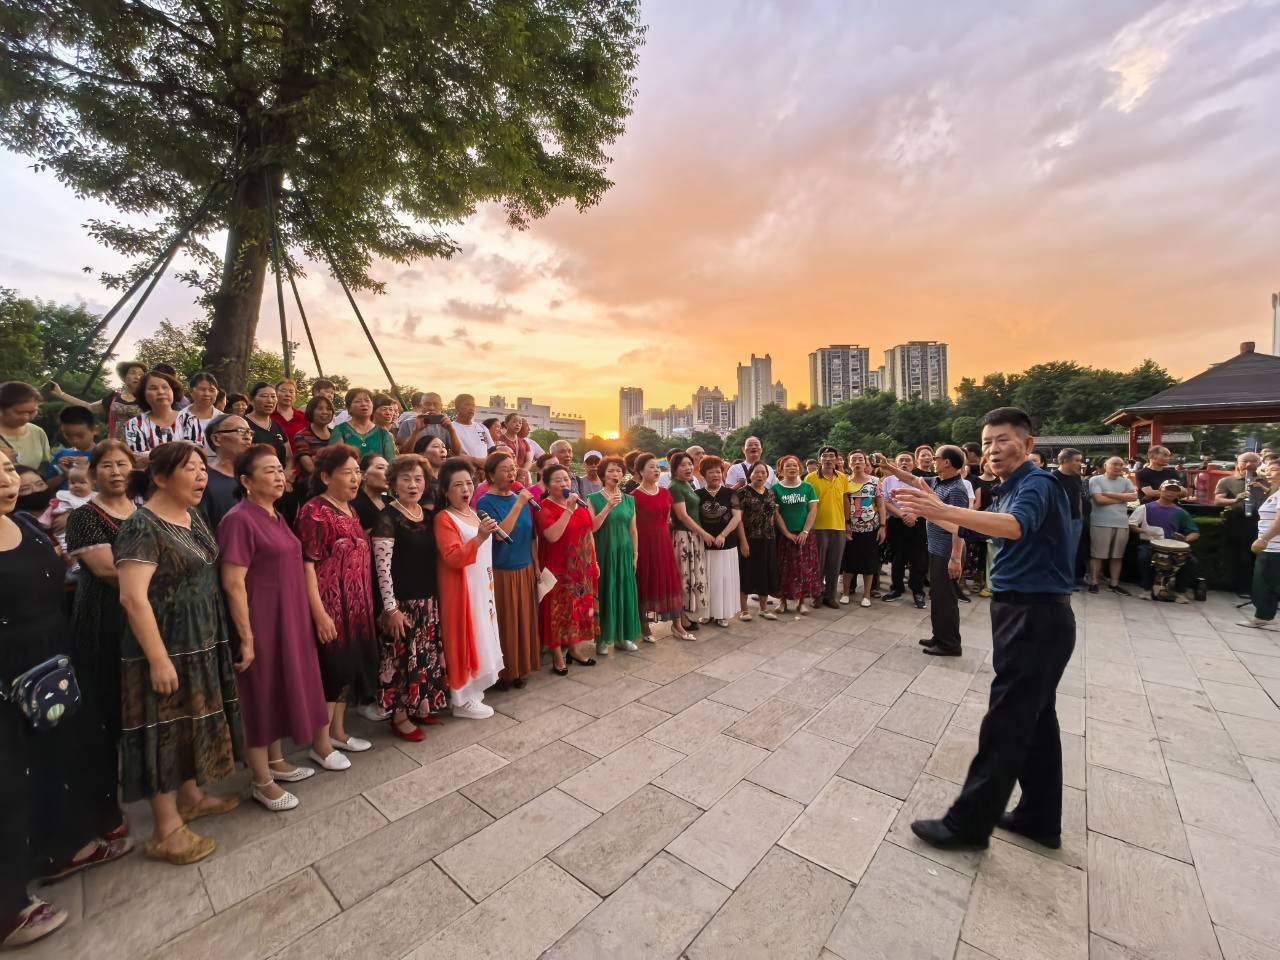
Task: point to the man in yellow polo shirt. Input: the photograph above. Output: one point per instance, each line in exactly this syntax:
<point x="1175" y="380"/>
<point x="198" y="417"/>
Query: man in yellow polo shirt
<point x="832" y="486"/>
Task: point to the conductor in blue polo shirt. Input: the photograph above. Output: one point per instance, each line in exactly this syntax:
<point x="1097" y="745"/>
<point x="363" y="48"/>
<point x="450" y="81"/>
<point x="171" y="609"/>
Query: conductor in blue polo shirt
<point x="1033" y="632"/>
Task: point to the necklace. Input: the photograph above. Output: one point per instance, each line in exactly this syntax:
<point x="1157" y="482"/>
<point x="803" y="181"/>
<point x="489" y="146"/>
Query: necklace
<point x="405" y="510"/>
<point x="102" y="505"/>
<point x="343" y="508"/>
<point x="468" y="514"/>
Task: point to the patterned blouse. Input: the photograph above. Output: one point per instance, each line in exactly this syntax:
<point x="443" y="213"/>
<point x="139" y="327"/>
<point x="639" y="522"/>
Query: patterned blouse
<point x="863" y="517"/>
<point x="758" y="510"/>
<point x="142" y="434"/>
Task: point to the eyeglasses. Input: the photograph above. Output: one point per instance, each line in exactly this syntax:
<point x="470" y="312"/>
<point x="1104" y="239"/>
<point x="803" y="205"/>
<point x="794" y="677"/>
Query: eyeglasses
<point x="243" y="431"/>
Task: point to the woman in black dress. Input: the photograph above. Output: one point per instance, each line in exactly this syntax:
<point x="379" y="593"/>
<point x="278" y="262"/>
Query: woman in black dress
<point x="96" y="619"/>
<point x="262" y="396"/>
<point x="373" y="497"/>
<point x="757" y="536"/>
<point x="59" y="806"/>
<point x="411" y="677"/>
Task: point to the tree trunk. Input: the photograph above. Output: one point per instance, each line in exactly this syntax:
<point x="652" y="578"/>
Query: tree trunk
<point x="244" y="271"/>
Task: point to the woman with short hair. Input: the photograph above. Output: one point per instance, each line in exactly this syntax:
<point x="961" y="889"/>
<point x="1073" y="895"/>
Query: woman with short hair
<point x="360" y="431"/>
<point x="613" y="518"/>
<point x="799" y="575"/>
<point x="288" y="417"/>
<point x="160" y="420"/>
<point x="202" y="388"/>
<point x="180" y="712"/>
<point x="228" y="437"/>
<point x="373" y="496"/>
<point x="237" y="403"/>
<point x="266" y="430"/>
<point x="411" y="673"/>
<point x="658" y="590"/>
<point x="312" y="437"/>
<point x="757" y="534"/>
<point x="569" y="612"/>
<point x="468" y="611"/>
<point x="27" y="442"/>
<point x="97" y="620"/>
<point x="339" y="567"/>
<point x="719" y="515"/>
<point x="434" y="453"/>
<point x="689" y="540"/>
<point x="281" y="694"/>
<point x="866" y="528"/>
<point x="515" y="586"/>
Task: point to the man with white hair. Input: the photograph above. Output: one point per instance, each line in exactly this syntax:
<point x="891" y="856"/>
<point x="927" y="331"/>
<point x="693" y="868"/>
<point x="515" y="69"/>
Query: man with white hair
<point x="752" y="451"/>
<point x="1110" y="492"/>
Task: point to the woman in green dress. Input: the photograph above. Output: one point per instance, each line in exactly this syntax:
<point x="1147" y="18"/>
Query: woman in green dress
<point x="613" y="517"/>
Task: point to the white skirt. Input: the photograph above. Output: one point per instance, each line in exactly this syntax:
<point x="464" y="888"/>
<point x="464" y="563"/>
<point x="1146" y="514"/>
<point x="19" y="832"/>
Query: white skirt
<point x="723" y="592"/>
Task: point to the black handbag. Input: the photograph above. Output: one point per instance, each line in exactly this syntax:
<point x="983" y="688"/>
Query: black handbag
<point x="46" y="694"/>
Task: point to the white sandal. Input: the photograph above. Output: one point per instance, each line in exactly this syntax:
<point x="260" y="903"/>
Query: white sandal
<point x="286" y="800"/>
<point x="293" y="776"/>
<point x="334" y="762"/>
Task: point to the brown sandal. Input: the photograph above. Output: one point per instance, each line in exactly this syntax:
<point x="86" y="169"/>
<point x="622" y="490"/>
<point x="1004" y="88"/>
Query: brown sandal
<point x="213" y="805"/>
<point x="197" y="848"/>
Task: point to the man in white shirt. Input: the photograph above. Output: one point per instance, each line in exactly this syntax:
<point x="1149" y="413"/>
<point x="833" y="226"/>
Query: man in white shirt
<point x="472" y="439"/>
<point x="752" y="451"/>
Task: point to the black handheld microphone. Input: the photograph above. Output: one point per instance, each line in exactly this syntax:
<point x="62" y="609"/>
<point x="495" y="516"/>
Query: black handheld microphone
<point x="499" y="533"/>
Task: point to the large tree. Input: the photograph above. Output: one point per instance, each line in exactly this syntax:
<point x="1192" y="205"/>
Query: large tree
<point x="372" y="124"/>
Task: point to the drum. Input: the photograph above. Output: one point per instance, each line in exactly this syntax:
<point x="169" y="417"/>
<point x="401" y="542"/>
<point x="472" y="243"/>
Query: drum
<point x="1167" y="558"/>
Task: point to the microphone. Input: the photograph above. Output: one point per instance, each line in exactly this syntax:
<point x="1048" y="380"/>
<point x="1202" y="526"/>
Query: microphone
<point x="499" y="533"/>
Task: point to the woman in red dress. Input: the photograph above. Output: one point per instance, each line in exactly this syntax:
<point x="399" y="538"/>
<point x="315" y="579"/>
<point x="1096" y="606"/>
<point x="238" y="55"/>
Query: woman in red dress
<point x="339" y="570"/>
<point x="657" y="574"/>
<point x="569" y="614"/>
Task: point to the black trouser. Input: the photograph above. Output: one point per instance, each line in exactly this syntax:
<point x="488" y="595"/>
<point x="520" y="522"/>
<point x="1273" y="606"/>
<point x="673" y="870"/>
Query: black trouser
<point x="944" y="607"/>
<point x="908" y="546"/>
<point x="1019" y="740"/>
<point x="1238" y="534"/>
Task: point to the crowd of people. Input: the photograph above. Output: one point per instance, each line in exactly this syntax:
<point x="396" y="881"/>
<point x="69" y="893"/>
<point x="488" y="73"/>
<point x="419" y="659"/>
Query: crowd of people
<point x="229" y="573"/>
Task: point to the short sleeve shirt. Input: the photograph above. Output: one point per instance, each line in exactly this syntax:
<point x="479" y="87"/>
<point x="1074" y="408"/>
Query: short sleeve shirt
<point x="831" y="504"/>
<point x="738" y="474"/>
<point x="1112" y="515"/>
<point x="793" y="503"/>
<point x="1148" y="477"/>
<point x="715" y="512"/>
<point x="473" y="438"/>
<point x="863" y="517"/>
<point x="952" y="493"/>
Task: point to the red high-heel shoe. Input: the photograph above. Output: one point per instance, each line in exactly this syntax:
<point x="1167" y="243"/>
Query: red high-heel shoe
<point x="413" y="736"/>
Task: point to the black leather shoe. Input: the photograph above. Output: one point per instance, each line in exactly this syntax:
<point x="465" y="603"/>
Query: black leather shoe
<point x="919" y="599"/>
<point x="1051" y="840"/>
<point x="937" y="834"/>
<point x="831" y="603"/>
<point x="925" y="641"/>
<point x="891" y="596"/>
<point x="934" y="650"/>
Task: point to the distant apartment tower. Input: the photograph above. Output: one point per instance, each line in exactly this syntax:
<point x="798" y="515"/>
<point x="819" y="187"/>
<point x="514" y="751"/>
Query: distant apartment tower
<point x="755" y="387"/>
<point x="875" y="379"/>
<point x="630" y="407"/>
<point x="780" y="395"/>
<point x="916" y="369"/>
<point x="711" y="411"/>
<point x="838" y="373"/>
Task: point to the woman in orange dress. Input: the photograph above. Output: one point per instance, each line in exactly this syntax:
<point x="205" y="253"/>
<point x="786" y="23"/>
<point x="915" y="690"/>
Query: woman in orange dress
<point x="468" y="614"/>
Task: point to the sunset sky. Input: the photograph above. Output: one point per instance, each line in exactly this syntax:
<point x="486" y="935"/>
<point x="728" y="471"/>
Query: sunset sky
<point x="1026" y="180"/>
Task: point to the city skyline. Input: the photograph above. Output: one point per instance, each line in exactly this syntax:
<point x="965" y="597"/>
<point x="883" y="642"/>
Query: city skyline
<point x="800" y="175"/>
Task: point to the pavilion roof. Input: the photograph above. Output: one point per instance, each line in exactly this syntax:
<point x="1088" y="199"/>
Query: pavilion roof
<point x="1244" y="389"/>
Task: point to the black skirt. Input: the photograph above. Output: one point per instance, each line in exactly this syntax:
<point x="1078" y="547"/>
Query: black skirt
<point x="758" y="573"/>
<point x="862" y="554"/>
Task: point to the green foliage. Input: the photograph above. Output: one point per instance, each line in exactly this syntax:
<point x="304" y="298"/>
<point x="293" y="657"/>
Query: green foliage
<point x="1220" y="440"/>
<point x="843" y="435"/>
<point x="375" y="124"/>
<point x="544" y="438"/>
<point x="965" y="430"/>
<point x="708" y="441"/>
<point x="643" y="438"/>
<point x="37" y="337"/>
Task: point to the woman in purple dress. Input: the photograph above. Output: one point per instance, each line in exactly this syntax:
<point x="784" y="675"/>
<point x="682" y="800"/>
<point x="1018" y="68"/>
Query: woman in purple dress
<point x="279" y="674"/>
<point x="339" y="569"/>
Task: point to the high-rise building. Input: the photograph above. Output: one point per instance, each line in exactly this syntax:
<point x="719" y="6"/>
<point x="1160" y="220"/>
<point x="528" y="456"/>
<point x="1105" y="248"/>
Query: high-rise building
<point x="780" y="395"/>
<point x="755" y="387"/>
<point x="711" y="411"/>
<point x="916" y="369"/>
<point x="875" y="378"/>
<point x="630" y="407"/>
<point x="838" y="373"/>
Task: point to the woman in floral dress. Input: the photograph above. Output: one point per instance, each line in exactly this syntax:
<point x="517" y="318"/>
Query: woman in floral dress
<point x="865" y="528"/>
<point x="690" y="542"/>
<point x="570" y="613"/>
<point x="757" y="555"/>
<point x="339" y="570"/>
<point x="411" y="677"/>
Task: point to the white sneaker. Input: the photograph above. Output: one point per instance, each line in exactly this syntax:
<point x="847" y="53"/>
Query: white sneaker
<point x="373" y="713"/>
<point x="351" y="744"/>
<point x="286" y="800"/>
<point x="472" y="710"/>
<point x="334" y="762"/>
<point x="629" y="646"/>
<point x="844" y="598"/>
<point x="602" y="650"/>
<point x="865" y="602"/>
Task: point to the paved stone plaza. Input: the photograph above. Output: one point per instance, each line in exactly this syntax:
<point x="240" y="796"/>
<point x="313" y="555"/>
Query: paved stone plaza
<point x="749" y="795"/>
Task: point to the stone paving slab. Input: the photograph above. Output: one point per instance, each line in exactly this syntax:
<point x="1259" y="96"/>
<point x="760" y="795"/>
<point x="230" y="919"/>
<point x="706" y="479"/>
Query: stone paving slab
<point x="750" y="794"/>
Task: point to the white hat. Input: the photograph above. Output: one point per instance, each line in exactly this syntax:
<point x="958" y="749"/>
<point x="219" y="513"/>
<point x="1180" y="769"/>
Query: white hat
<point x="592" y="453"/>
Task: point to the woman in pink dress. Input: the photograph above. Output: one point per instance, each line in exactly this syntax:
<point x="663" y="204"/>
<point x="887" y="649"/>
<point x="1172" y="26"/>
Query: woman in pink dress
<point x="278" y="673"/>
<point x="570" y="613"/>
<point x="657" y="574"/>
<point x="339" y="570"/>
